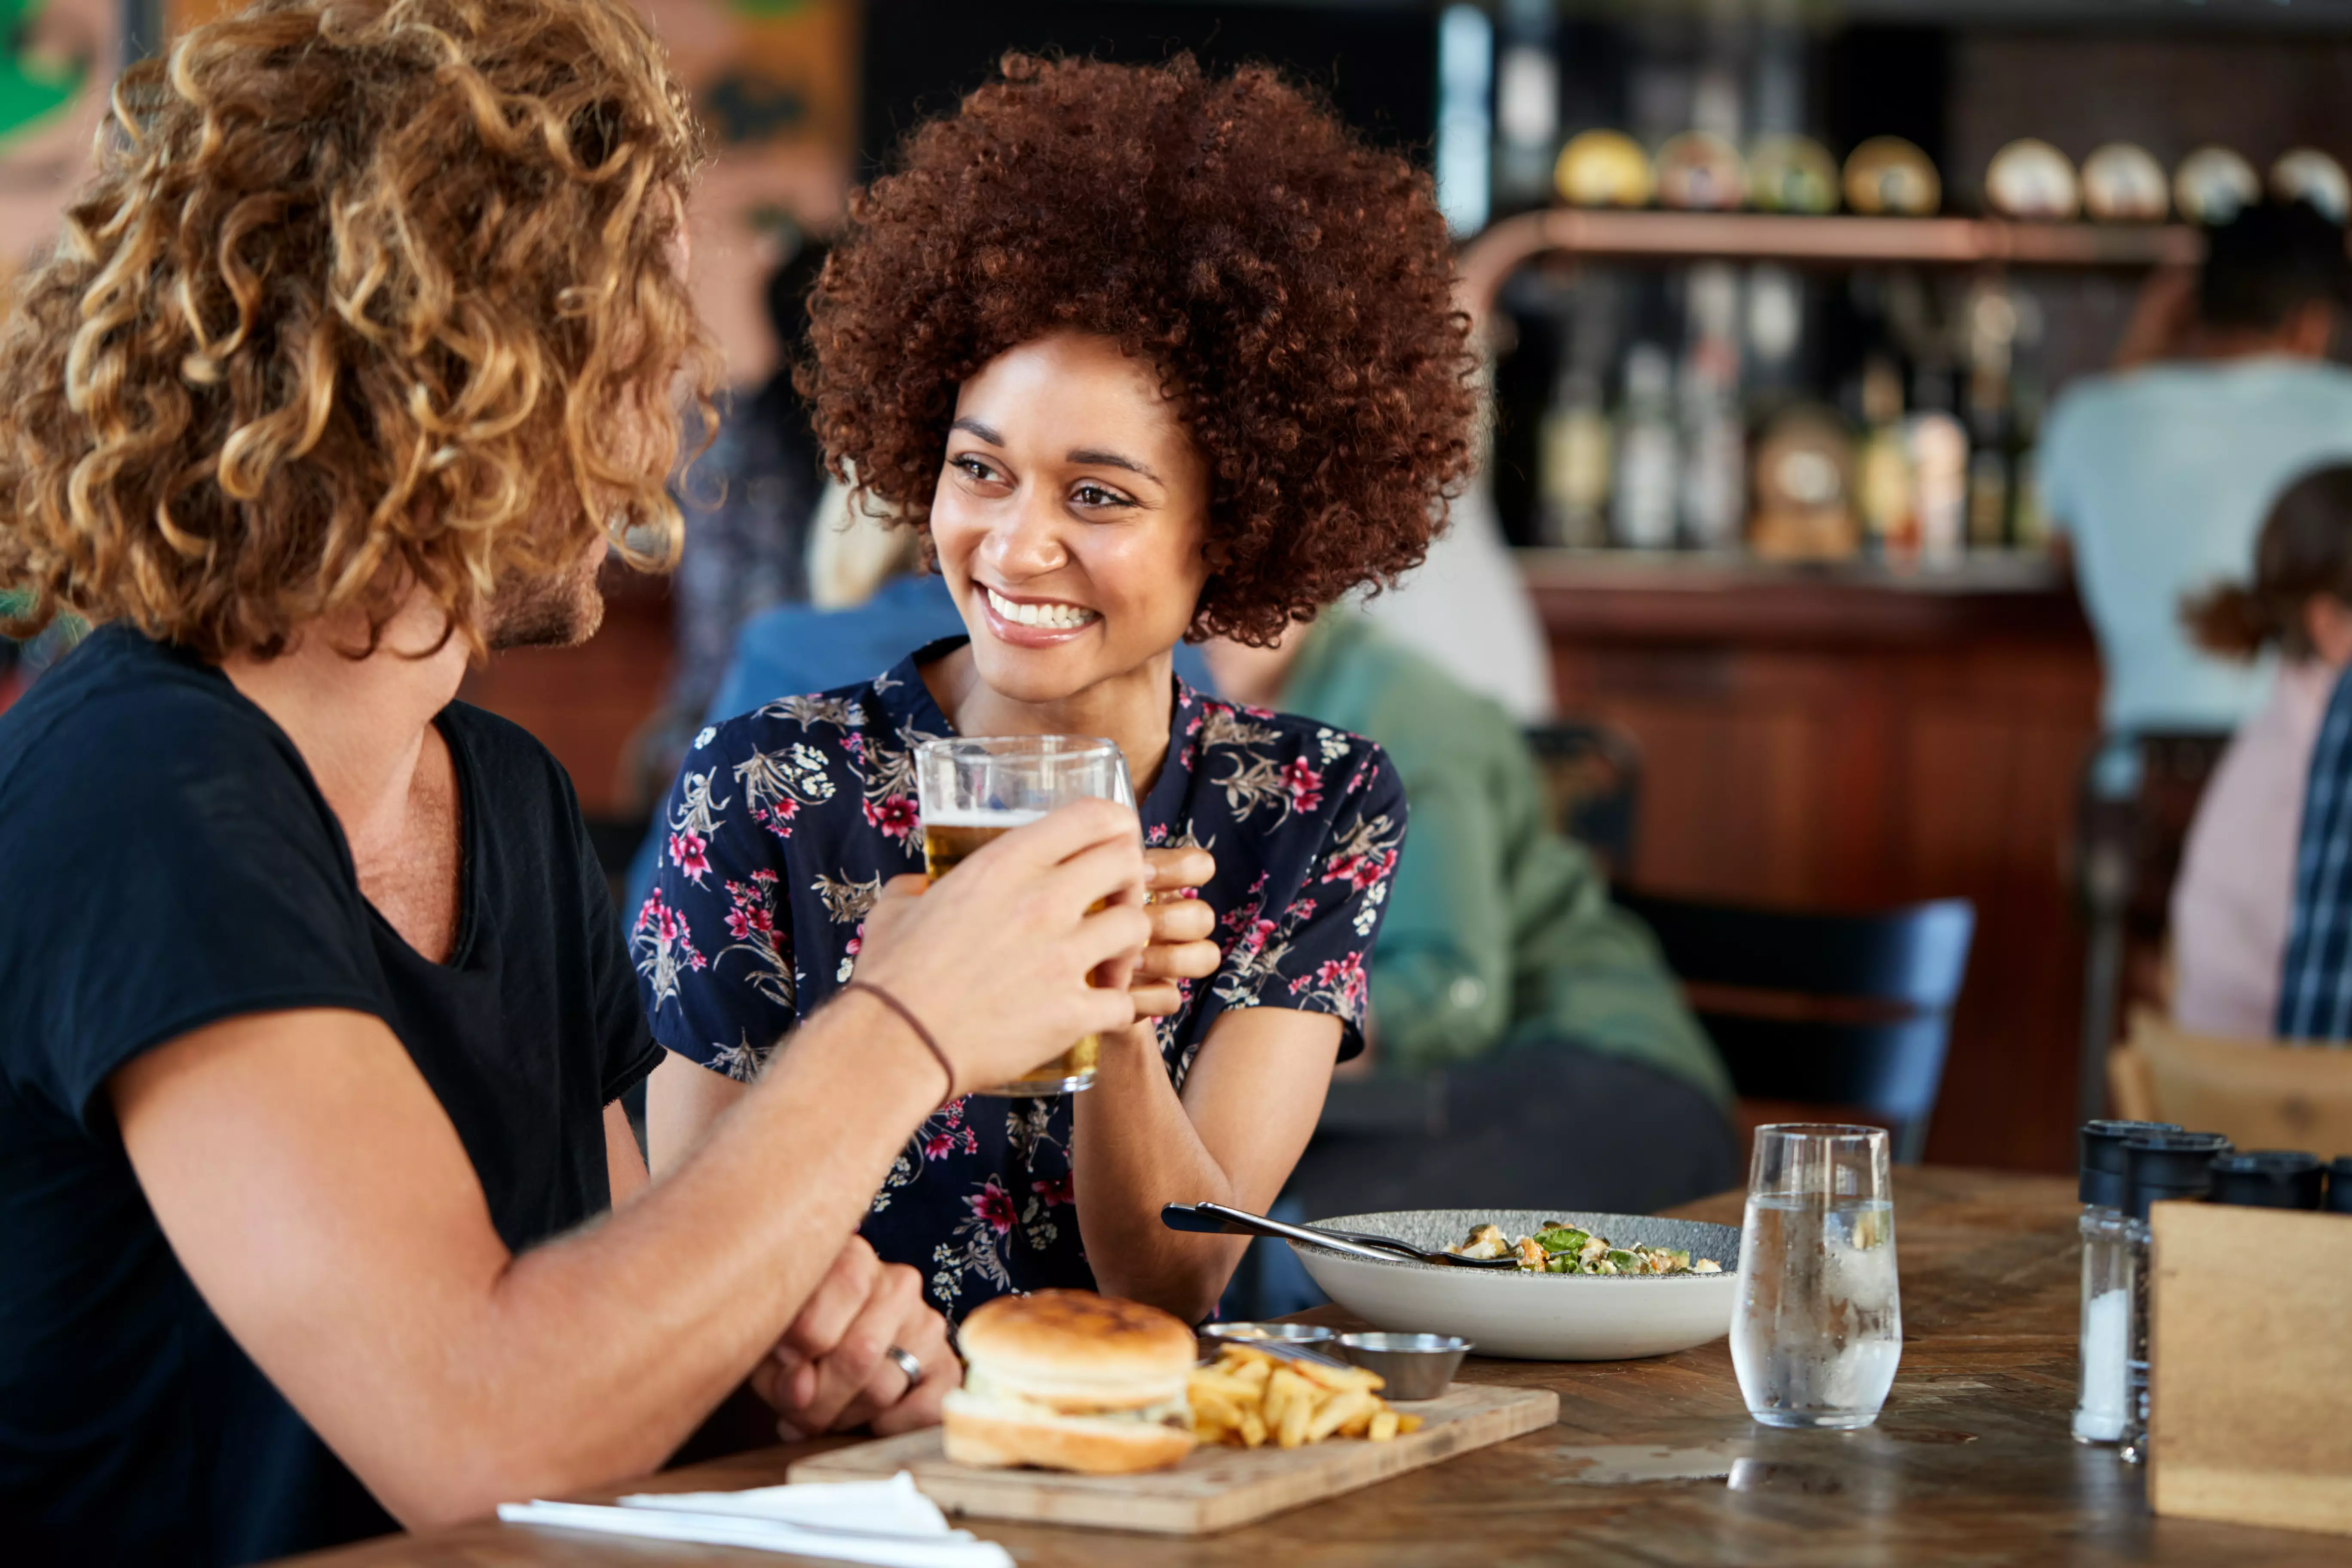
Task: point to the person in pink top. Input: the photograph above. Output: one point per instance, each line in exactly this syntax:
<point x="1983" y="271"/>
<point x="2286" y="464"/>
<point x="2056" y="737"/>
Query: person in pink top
<point x="2236" y="889"/>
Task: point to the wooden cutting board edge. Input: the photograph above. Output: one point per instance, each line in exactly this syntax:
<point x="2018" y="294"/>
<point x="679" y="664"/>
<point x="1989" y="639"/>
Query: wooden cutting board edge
<point x="1102" y="1503"/>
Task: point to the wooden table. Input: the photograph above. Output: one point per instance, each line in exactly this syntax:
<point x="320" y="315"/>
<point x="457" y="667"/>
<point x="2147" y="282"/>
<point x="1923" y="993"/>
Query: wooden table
<point x="1656" y="1462"/>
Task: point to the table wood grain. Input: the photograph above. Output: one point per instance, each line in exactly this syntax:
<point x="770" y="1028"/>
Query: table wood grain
<point x="1656" y="1463"/>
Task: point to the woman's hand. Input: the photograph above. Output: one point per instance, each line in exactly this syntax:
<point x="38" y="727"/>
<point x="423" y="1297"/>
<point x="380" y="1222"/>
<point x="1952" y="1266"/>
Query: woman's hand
<point x="1182" y="928"/>
<point x="833" y="1370"/>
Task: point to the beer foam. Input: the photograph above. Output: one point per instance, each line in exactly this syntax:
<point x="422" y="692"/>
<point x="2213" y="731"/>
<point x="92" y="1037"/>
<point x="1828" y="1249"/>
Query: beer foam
<point x="980" y="816"/>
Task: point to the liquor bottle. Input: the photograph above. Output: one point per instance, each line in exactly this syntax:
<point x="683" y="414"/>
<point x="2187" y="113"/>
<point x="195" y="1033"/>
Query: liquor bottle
<point x="1713" y="445"/>
<point x="1883" y="464"/>
<point x="1938" y="449"/>
<point x="1992" y="319"/>
<point x="1572" y="463"/>
<point x="1642" y="509"/>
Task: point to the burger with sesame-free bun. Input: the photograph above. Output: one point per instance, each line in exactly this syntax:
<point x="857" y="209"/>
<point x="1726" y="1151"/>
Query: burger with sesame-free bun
<point x="1067" y="1380"/>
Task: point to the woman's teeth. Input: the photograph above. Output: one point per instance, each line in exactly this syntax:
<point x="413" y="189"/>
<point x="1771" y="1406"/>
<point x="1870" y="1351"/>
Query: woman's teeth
<point x="1038" y="614"/>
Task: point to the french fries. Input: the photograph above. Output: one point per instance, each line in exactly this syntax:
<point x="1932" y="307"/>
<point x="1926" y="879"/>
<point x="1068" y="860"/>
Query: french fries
<point x="1252" y="1397"/>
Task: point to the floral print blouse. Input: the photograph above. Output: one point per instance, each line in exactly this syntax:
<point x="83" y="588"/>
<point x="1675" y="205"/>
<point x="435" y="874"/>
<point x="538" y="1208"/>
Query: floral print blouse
<point x="784" y="825"/>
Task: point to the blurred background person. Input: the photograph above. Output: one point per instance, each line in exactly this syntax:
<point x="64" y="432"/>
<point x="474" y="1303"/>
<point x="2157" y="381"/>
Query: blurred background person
<point x="2231" y="906"/>
<point x="748" y="502"/>
<point x="1574" y="1075"/>
<point x="2160" y="472"/>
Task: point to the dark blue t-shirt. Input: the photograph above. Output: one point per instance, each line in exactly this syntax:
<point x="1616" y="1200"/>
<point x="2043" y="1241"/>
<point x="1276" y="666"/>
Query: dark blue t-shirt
<point x="167" y="862"/>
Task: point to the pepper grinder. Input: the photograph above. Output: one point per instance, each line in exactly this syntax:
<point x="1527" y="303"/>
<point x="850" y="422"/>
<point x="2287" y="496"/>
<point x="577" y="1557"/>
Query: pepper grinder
<point x="2157" y="1166"/>
<point x="2107" y="1279"/>
<point x="2268" y="1179"/>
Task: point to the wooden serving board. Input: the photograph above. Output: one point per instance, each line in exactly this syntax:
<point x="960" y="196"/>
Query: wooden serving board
<point x="1215" y="1489"/>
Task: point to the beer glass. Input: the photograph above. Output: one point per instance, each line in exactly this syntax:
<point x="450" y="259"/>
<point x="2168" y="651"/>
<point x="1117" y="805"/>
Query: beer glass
<point x="1818" y="1329"/>
<point x="973" y="789"/>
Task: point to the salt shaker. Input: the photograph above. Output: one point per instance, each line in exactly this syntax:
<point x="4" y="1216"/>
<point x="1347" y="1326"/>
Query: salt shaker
<point x="2157" y="1166"/>
<point x="2107" y="1279"/>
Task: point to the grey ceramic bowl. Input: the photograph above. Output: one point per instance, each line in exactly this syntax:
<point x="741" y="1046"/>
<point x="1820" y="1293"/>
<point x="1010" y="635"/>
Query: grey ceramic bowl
<point x="1535" y="1317"/>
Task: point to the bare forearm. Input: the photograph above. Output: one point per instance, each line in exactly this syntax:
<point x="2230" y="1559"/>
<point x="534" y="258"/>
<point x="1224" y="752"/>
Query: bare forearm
<point x="1134" y="1149"/>
<point x="610" y="1346"/>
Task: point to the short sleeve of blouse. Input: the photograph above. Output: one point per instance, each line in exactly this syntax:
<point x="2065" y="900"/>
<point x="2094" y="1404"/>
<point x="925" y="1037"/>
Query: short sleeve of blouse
<point x="712" y="943"/>
<point x="1302" y="938"/>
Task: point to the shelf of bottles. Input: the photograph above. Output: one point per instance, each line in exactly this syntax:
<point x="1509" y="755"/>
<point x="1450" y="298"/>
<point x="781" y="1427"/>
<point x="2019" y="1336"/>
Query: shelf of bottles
<point x="1717" y="341"/>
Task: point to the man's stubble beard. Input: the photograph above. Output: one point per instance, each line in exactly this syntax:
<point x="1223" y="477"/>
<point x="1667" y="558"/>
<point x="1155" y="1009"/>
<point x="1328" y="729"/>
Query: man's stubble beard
<point x="557" y="610"/>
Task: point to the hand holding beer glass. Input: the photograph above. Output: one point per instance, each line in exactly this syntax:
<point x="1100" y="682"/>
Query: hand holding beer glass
<point x="974" y="789"/>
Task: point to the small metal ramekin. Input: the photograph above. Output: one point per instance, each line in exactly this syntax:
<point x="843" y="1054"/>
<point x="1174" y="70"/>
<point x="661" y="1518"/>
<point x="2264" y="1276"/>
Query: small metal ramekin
<point x="1417" y="1366"/>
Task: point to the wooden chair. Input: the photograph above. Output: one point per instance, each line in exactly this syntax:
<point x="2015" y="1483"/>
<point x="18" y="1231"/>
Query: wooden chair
<point x="1848" y="1012"/>
<point x="2124" y="858"/>
<point x="2260" y="1094"/>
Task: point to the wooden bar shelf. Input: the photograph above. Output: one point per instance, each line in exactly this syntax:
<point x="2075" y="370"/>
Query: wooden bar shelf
<point x="1824" y="240"/>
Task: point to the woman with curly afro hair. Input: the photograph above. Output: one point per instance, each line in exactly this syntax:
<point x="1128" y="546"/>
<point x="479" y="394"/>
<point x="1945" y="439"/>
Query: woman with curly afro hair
<point x="1146" y="355"/>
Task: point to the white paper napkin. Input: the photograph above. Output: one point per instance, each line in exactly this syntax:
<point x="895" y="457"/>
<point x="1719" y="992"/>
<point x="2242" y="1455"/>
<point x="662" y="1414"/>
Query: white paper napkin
<point x="888" y="1523"/>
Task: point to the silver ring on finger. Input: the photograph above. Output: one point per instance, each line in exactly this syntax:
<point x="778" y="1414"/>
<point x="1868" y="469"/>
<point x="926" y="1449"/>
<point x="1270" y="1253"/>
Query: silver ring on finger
<point x="907" y="1362"/>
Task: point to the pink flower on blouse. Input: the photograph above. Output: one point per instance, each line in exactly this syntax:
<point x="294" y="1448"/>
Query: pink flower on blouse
<point x="1362" y="871"/>
<point x="1255" y="937"/>
<point x="893" y="813"/>
<point x="1055" y="1190"/>
<point x="1304" y="783"/>
<point x="687" y="852"/>
<point x="994" y="1204"/>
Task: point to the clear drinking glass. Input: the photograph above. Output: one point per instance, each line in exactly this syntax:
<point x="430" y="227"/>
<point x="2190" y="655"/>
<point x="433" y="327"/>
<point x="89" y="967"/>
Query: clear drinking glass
<point x="1818" y="1329"/>
<point x="976" y="788"/>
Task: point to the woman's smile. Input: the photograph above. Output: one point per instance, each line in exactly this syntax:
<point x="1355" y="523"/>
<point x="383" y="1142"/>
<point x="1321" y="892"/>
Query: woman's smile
<point x="1032" y="623"/>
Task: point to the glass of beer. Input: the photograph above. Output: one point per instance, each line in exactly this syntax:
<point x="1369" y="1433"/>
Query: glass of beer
<point x="973" y="789"/>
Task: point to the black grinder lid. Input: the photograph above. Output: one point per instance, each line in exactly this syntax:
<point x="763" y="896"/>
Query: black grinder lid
<point x="2160" y="1165"/>
<point x="2339" y="1185"/>
<point x="2102" y="1181"/>
<point x="2268" y="1179"/>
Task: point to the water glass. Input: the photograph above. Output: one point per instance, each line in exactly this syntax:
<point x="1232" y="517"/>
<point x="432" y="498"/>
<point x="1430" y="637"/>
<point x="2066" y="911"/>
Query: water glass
<point x="1818" y="1329"/>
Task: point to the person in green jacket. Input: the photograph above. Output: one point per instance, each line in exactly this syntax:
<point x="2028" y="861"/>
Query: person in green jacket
<point x="1574" y="1077"/>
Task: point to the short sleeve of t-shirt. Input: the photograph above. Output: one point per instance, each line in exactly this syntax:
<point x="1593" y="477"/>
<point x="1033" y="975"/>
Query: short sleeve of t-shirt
<point x="182" y="871"/>
<point x="2056" y="463"/>
<point x="629" y="1051"/>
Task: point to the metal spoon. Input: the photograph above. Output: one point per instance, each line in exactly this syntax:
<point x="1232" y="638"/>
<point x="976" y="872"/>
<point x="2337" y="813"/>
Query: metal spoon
<point x="1217" y="1219"/>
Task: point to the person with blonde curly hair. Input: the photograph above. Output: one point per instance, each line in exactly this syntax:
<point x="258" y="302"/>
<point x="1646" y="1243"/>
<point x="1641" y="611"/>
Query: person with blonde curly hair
<point x="1145" y="354"/>
<point x="357" y="357"/>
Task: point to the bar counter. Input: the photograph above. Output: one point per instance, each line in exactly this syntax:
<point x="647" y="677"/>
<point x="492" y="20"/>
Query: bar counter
<point x="1856" y="736"/>
<point x="1656" y="1461"/>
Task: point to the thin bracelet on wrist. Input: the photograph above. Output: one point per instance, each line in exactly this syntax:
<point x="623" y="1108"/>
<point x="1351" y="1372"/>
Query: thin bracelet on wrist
<point x="906" y="1017"/>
